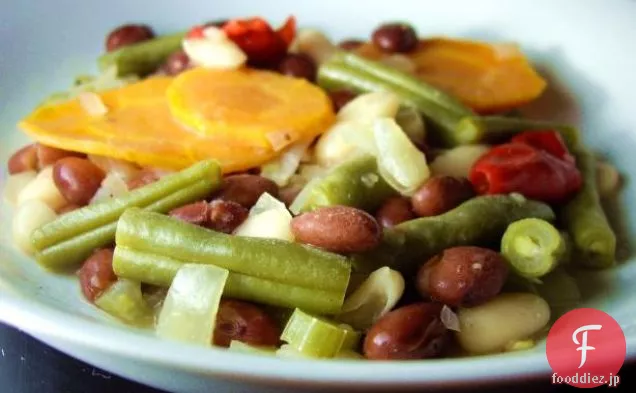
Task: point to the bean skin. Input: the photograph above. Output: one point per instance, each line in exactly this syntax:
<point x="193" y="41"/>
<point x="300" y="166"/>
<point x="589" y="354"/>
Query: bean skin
<point x="463" y="276"/>
<point x="225" y="216"/>
<point x="298" y="66"/>
<point x="23" y="160"/>
<point x="197" y="213"/>
<point x="96" y="274"/>
<point x="394" y="211"/>
<point x="245" y="322"/>
<point x="351" y="44"/>
<point x="245" y="189"/>
<point x="395" y="38"/>
<point x="176" y="63"/>
<point x="440" y="194"/>
<point x="77" y="179"/>
<point x="127" y="35"/>
<point x="407" y="333"/>
<point x="49" y="155"/>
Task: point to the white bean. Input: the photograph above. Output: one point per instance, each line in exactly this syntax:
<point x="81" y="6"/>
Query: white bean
<point x="29" y="216"/>
<point x="15" y="184"/>
<point x="43" y="188"/>
<point x="457" y="162"/>
<point x="506" y="318"/>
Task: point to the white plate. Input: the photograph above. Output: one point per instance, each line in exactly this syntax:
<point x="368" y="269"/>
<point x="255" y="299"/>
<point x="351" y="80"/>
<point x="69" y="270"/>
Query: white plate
<point x="586" y="47"/>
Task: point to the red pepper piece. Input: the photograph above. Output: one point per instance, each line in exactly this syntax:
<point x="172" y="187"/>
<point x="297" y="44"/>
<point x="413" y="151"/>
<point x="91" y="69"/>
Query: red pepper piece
<point x="548" y="140"/>
<point x="262" y="45"/>
<point x="532" y="172"/>
<point x="196" y="32"/>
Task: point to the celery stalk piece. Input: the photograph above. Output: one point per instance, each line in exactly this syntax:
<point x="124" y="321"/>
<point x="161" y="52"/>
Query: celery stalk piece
<point x="317" y="337"/>
<point x="376" y="296"/>
<point x="160" y="270"/>
<point x="73" y="236"/>
<point x="189" y="311"/>
<point x="238" y="346"/>
<point x="271" y="259"/>
<point x="124" y="300"/>
<point x="400" y="162"/>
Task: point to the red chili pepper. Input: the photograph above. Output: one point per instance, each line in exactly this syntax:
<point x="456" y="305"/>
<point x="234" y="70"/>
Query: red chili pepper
<point x="530" y="171"/>
<point x="262" y="45"/>
<point x="548" y="140"/>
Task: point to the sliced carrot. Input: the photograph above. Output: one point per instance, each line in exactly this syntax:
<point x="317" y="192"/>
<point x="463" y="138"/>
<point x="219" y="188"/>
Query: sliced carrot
<point x="139" y="127"/>
<point x="486" y="77"/>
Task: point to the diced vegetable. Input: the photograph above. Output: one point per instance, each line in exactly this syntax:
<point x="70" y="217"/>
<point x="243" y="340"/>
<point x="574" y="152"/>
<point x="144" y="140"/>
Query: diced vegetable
<point x="30" y="216"/>
<point x="73" y="236"/>
<point x="15" y="184"/>
<point x="43" y="188"/>
<point x="411" y="122"/>
<point x="123" y="300"/>
<point x="354" y="183"/>
<point x="458" y="161"/>
<point x="367" y="107"/>
<point x="607" y="179"/>
<point x="268" y="218"/>
<point x="533" y="247"/>
<point x="142" y="58"/>
<point x="189" y="311"/>
<point x="113" y="186"/>
<point x="402" y="165"/>
<point x="585" y="220"/>
<point x="281" y="169"/>
<point x="317" y="337"/>
<point x="314" y="44"/>
<point x="376" y="296"/>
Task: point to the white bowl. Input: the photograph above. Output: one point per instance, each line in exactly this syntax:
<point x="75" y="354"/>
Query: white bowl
<point x="585" y="47"/>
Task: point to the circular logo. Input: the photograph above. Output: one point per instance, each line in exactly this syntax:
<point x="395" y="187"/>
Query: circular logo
<point x="586" y="348"/>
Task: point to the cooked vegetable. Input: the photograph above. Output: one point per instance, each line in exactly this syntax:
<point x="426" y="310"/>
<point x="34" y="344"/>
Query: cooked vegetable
<point x="245" y="322"/>
<point x="499" y="127"/>
<point x="486" y="77"/>
<point x="478" y="221"/>
<point x="440" y="194"/>
<point x="142" y="58"/>
<point x="376" y="296"/>
<point x="533" y="247"/>
<point x="281" y="169"/>
<point x="160" y="270"/>
<point x="457" y="161"/>
<point x="189" y="311"/>
<point x="583" y="216"/>
<point x="268" y="218"/>
<point x="317" y="337"/>
<point x="394" y="211"/>
<point x="354" y="183"/>
<point x="15" y="184"/>
<point x="28" y="218"/>
<point x="124" y="300"/>
<point x="411" y="122"/>
<point x="43" y="188"/>
<point x="505" y="319"/>
<point x="608" y="180"/>
<point x="72" y="237"/>
<point x="238" y="346"/>
<point x="347" y="71"/>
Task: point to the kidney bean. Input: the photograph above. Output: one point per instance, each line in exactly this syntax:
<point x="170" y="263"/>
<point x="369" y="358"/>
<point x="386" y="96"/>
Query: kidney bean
<point x="410" y="332"/>
<point x="394" y="211"/>
<point x="23" y="160"/>
<point x="127" y="35"/>
<point x="77" y="179"/>
<point x="176" y="63"/>
<point x="350" y="44"/>
<point x="96" y="274"/>
<point x="245" y="322"/>
<point x="226" y="216"/>
<point x="48" y="155"/>
<point x="67" y="209"/>
<point x="463" y="276"/>
<point x="298" y="66"/>
<point x="289" y="193"/>
<point x="197" y="213"/>
<point x="143" y="178"/>
<point x="340" y="98"/>
<point x="340" y="229"/>
<point x="441" y="194"/>
<point x="245" y="189"/>
<point x="395" y="37"/>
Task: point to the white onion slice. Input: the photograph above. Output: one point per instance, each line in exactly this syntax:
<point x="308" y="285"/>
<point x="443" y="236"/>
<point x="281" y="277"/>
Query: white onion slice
<point x="15" y="184"/>
<point x="449" y="319"/>
<point x="283" y="168"/>
<point x="268" y="218"/>
<point x="92" y="103"/>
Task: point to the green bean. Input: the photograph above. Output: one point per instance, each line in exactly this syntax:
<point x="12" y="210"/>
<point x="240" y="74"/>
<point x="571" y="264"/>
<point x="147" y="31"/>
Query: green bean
<point x="73" y="236"/>
<point x="532" y="247"/>
<point x="272" y="259"/>
<point x="499" y="127"/>
<point x="453" y="124"/>
<point x="160" y="270"/>
<point x="583" y="216"/>
<point x="142" y="58"/>
<point x="355" y="183"/>
<point x="480" y="221"/>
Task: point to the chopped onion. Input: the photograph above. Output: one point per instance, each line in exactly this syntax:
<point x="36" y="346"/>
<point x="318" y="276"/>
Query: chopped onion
<point x="449" y="319"/>
<point x="342" y="141"/>
<point x="189" y="310"/>
<point x="457" y="162"/>
<point x="15" y="184"/>
<point x="92" y="103"/>
<point x="214" y="53"/>
<point x="112" y="186"/>
<point x="123" y="300"/>
<point x="411" y="122"/>
<point x="400" y="162"/>
<point x="43" y="188"/>
<point x="369" y="106"/>
<point x="314" y="44"/>
<point x="376" y="296"/>
<point x="283" y="168"/>
<point x="268" y="218"/>
<point x="279" y="139"/>
<point x="124" y="169"/>
<point x="30" y="216"/>
<point x="400" y="62"/>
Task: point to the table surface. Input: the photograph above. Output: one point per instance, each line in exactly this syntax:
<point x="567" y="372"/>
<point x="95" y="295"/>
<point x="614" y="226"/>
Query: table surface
<point x="28" y="366"/>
